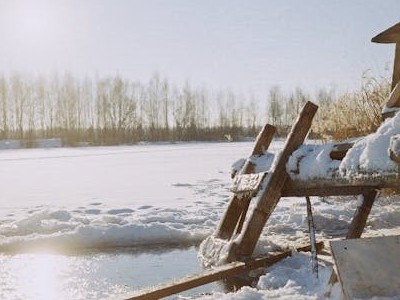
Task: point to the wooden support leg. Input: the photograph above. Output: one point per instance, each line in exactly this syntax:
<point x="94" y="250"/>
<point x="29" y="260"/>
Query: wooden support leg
<point x="313" y="241"/>
<point x="245" y="208"/>
<point x="234" y="211"/>
<point x="273" y="183"/>
<point x="361" y="215"/>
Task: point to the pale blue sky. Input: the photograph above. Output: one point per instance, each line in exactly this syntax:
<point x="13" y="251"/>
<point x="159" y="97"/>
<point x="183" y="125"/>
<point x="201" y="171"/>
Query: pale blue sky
<point x="242" y="45"/>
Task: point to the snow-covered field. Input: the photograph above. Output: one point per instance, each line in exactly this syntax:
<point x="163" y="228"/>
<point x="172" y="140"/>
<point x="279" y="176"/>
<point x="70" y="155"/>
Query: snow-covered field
<point x="88" y="223"/>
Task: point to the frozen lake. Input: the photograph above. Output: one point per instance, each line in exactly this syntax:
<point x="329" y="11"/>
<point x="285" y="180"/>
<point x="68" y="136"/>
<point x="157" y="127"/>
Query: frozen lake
<point x="99" y="223"/>
<point x="72" y="218"/>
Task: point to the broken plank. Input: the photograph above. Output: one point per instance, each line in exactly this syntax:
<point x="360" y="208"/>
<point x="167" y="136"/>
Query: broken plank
<point x="219" y="273"/>
<point x="247" y="183"/>
<point x="339" y="150"/>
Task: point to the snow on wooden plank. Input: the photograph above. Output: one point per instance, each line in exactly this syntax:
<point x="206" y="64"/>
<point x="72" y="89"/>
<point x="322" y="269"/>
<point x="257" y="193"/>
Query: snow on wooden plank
<point x="368" y="267"/>
<point x="219" y="273"/>
<point x="247" y="183"/>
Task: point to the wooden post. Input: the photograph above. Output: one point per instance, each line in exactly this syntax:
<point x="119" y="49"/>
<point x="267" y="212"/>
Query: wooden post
<point x="236" y="206"/>
<point x="396" y="66"/>
<point x="313" y="241"/>
<point x="274" y="183"/>
<point x="390" y="36"/>
<point x="361" y="215"/>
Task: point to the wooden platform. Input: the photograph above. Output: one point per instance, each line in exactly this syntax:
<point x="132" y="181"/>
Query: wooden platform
<point x="368" y="267"/>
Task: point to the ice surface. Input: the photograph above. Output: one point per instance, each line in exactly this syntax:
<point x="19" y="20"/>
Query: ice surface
<point x="148" y="195"/>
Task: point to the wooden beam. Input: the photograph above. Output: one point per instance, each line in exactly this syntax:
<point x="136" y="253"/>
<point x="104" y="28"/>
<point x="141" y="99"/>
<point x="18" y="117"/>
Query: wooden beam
<point x="274" y="183"/>
<point x="339" y="150"/>
<point x="323" y="191"/>
<point x="313" y="241"/>
<point x="219" y="273"/>
<point x="232" y="214"/>
<point x="360" y="217"/>
<point x="394" y="97"/>
<point x="388" y="36"/>
<point x="392" y="35"/>
<point x="339" y="186"/>
<point x="264" y="139"/>
<point x="396" y="67"/>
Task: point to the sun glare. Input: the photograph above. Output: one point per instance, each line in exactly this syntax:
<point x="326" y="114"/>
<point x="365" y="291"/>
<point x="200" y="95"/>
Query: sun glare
<point x="37" y="276"/>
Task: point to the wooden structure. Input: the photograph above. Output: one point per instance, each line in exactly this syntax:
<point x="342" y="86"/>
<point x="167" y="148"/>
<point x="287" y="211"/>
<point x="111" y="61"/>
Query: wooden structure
<point x="240" y="233"/>
<point x="368" y="267"/>
<point x="389" y="36"/>
<point x="255" y="195"/>
<point x="231" y="269"/>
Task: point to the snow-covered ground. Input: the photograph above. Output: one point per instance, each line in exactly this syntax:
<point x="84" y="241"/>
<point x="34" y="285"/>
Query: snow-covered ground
<point x="72" y="209"/>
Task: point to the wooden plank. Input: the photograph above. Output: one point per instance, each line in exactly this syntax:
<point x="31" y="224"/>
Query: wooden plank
<point x="337" y="186"/>
<point x="368" y="267"/>
<point x="223" y="272"/>
<point x="234" y="210"/>
<point x="388" y="36"/>
<point x="274" y="184"/>
<point x="360" y="217"/>
<point x="339" y="150"/>
<point x="323" y="190"/>
<point x="313" y="241"/>
<point x="264" y="139"/>
<point x="396" y="66"/>
<point x="394" y="97"/>
<point x="247" y="183"/>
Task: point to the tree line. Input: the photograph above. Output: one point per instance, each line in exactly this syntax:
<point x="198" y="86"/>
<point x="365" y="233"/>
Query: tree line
<point x="114" y="110"/>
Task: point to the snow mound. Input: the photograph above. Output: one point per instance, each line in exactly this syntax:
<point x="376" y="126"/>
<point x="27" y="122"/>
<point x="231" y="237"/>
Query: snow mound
<point x="370" y="154"/>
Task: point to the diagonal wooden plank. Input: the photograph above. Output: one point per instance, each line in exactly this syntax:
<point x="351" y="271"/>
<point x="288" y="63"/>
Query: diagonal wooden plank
<point x="274" y="183"/>
<point x="219" y="273"/>
<point x="360" y="217"/>
<point x="235" y="208"/>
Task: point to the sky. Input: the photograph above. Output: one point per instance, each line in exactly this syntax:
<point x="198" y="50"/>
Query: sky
<point x="247" y="46"/>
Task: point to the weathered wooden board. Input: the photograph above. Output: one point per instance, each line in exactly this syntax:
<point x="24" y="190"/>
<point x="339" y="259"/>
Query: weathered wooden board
<point x="219" y="273"/>
<point x="236" y="209"/>
<point x="368" y="267"/>
<point x="247" y="183"/>
<point x="339" y="150"/>
<point x="390" y="35"/>
<point x="339" y="186"/>
<point x="360" y="217"/>
<point x="394" y="97"/>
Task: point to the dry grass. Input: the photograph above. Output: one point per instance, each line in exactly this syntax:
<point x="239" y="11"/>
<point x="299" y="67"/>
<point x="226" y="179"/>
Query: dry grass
<point x="354" y="114"/>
